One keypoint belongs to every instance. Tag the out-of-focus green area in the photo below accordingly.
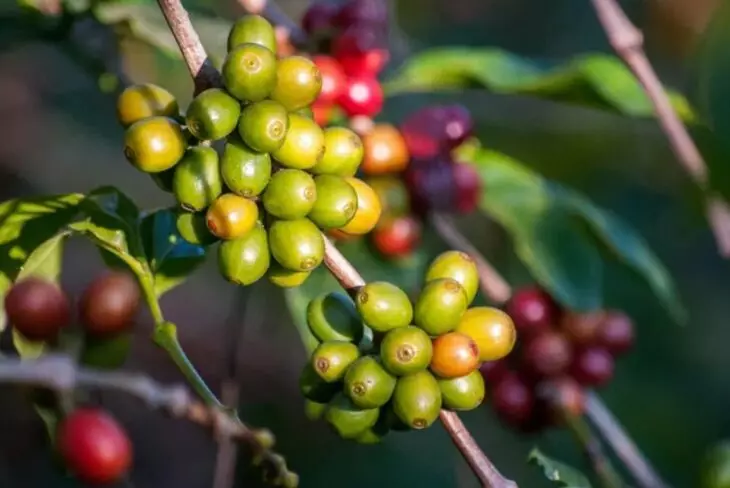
(60, 135)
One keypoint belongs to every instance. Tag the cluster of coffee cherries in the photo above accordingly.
(559, 353)
(92, 444)
(386, 363)
(278, 178)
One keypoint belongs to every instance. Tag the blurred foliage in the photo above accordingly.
(562, 474)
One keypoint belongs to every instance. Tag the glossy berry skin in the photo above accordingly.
(291, 194)
(458, 266)
(263, 126)
(244, 171)
(197, 180)
(145, 100)
(343, 153)
(212, 115)
(109, 304)
(192, 228)
(616, 333)
(592, 366)
(385, 151)
(37, 308)
(417, 399)
(285, 278)
(303, 146)
(363, 96)
(154, 145)
(336, 202)
(245, 260)
(249, 72)
(464, 392)
(231, 216)
(298, 82)
(94, 446)
(384, 306)
(468, 188)
(431, 185)
(319, 17)
(371, 12)
(513, 400)
(492, 330)
(361, 50)
(334, 80)
(454, 355)
(406, 350)
(440, 306)
(533, 311)
(368, 210)
(332, 359)
(252, 29)
(296, 244)
(546, 355)
(397, 237)
(368, 384)
(436, 130)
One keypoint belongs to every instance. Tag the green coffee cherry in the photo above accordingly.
(332, 358)
(348, 420)
(154, 145)
(303, 145)
(462, 393)
(197, 181)
(296, 244)
(406, 350)
(343, 152)
(212, 115)
(263, 126)
(374, 434)
(298, 82)
(249, 72)
(252, 29)
(246, 259)
(314, 410)
(192, 228)
(244, 171)
(336, 202)
(290, 195)
(286, 278)
(458, 266)
(368, 384)
(333, 317)
(383, 306)
(417, 400)
(314, 388)
(440, 306)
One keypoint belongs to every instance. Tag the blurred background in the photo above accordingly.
(59, 135)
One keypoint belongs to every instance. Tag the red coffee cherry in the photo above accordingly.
(513, 400)
(334, 81)
(533, 311)
(397, 237)
(548, 354)
(616, 333)
(363, 96)
(582, 328)
(468, 187)
(436, 130)
(363, 12)
(592, 366)
(109, 305)
(94, 446)
(563, 395)
(361, 50)
(319, 17)
(37, 308)
(494, 371)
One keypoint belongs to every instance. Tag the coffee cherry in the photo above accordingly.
(109, 305)
(462, 393)
(94, 446)
(368, 209)
(106, 352)
(333, 79)
(372, 12)
(286, 278)
(298, 82)
(333, 317)
(468, 188)
(313, 410)
(212, 115)
(252, 29)
(592, 366)
(385, 151)
(533, 310)
(494, 371)
(376, 433)
(492, 330)
(347, 419)
(155, 144)
(458, 266)
(245, 259)
(244, 171)
(143, 101)
(193, 228)
(322, 113)
(564, 396)
(368, 384)
(343, 152)
(454, 355)
(303, 145)
(548, 354)
(363, 96)
(37, 308)
(616, 333)
(417, 399)
(582, 328)
(406, 350)
(361, 50)
(336, 202)
(439, 306)
(319, 17)
(397, 237)
(383, 306)
(392, 194)
(290, 195)
(263, 126)
(197, 181)
(249, 72)
(513, 400)
(297, 245)
(314, 388)
(231, 216)
(331, 359)
(436, 130)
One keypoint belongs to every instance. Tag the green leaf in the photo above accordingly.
(562, 474)
(171, 258)
(594, 79)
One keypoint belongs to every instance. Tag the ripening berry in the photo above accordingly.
(467, 183)
(533, 311)
(334, 80)
(492, 329)
(37, 308)
(592, 366)
(454, 354)
(616, 333)
(582, 328)
(513, 400)
(368, 209)
(363, 96)
(494, 371)
(361, 50)
(396, 237)
(109, 304)
(385, 151)
(145, 100)
(548, 354)
(436, 130)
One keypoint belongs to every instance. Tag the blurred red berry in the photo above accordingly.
(564, 395)
(533, 310)
(616, 333)
(370, 62)
(397, 237)
(363, 96)
(334, 80)
(371, 12)
(546, 355)
(321, 112)
(459, 125)
(592, 366)
(436, 130)
(431, 185)
(468, 187)
(37, 308)
(319, 17)
(582, 328)
(494, 371)
(513, 400)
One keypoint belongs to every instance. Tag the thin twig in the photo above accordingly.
(627, 41)
(593, 450)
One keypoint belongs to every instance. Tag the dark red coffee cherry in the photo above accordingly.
(563, 395)
(533, 310)
(37, 308)
(436, 130)
(110, 303)
(582, 328)
(371, 12)
(468, 187)
(616, 333)
(396, 237)
(459, 125)
(546, 355)
(319, 17)
(592, 366)
(334, 81)
(361, 50)
(431, 185)
(94, 446)
(362, 96)
(513, 400)
(494, 371)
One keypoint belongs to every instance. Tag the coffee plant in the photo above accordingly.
(286, 166)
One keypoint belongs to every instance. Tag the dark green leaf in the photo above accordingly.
(171, 258)
(562, 474)
(599, 80)
(50, 417)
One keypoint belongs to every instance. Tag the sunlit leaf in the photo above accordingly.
(558, 472)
